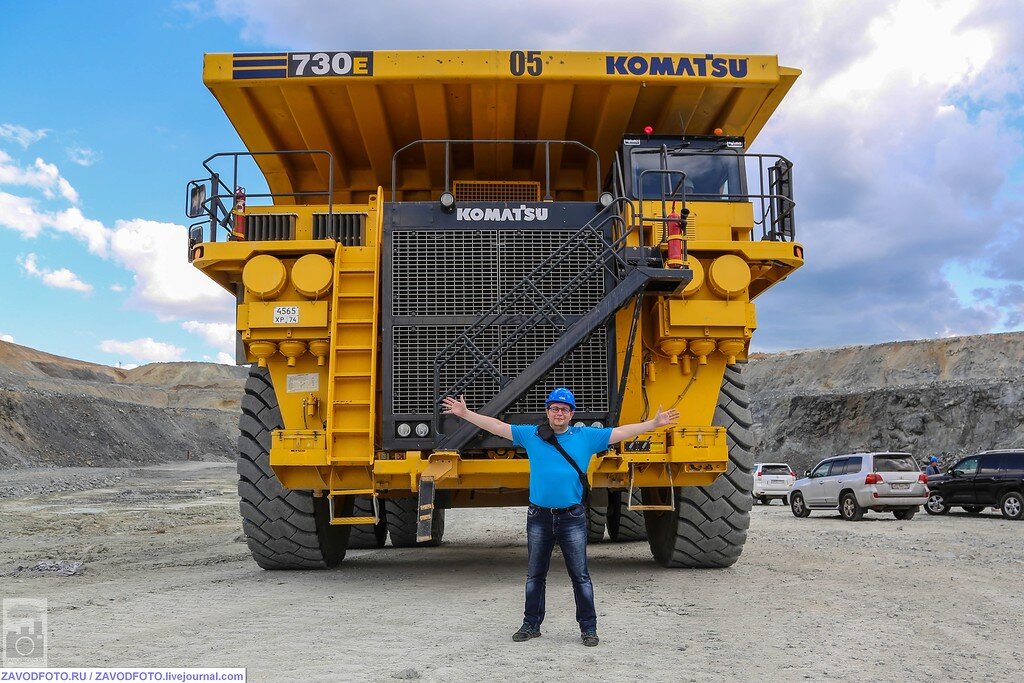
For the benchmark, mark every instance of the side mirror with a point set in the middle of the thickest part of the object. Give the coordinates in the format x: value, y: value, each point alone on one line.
x: 807, y: 473
x: 951, y: 472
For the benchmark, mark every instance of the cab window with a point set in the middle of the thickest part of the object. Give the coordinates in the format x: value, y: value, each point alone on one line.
x: 966, y: 466
x: 708, y: 177
x: 822, y: 470
x: 990, y: 464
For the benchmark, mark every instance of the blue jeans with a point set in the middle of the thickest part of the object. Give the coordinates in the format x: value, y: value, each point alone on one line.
x: 569, y: 530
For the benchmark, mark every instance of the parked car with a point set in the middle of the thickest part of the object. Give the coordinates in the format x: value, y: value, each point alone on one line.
x: 858, y: 482
x: 988, y: 479
x: 772, y: 480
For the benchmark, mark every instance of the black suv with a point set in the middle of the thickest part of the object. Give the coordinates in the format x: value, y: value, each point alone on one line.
x: 989, y: 479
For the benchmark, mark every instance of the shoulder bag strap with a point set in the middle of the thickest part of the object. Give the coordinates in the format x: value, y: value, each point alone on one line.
x: 568, y: 458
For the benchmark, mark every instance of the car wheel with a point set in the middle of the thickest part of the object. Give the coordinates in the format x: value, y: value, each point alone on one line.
x: 796, y: 504
x: 763, y: 500
x: 908, y: 513
x: 1012, y: 505
x: 973, y: 509
x: 785, y: 500
x: 936, y: 505
x: 849, y: 508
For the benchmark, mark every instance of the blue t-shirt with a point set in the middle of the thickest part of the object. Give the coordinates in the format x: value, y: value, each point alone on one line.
x: 553, y: 481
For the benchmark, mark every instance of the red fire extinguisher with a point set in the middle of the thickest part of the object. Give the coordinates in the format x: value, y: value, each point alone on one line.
x: 675, y: 237
x: 239, y: 212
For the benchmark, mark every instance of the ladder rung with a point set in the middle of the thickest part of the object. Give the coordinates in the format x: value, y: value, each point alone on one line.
x: 354, y: 520
x: 342, y: 269
x: 353, y: 403
x: 345, y: 430
x: 355, y: 295
x: 353, y: 348
x: 351, y: 492
x: 351, y: 374
x: 355, y: 321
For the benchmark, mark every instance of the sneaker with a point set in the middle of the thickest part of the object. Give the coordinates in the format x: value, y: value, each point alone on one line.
x: 525, y: 632
x: 590, y: 638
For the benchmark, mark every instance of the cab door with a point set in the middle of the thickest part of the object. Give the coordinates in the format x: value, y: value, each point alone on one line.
x: 815, y: 490
x: 833, y: 483
x: 987, y: 480
x: 959, y: 488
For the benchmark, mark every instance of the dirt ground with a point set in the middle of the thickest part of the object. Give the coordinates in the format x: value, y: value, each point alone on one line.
x: 167, y: 580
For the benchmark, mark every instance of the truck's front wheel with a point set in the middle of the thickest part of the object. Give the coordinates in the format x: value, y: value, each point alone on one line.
x: 709, y: 525
x: 285, y: 529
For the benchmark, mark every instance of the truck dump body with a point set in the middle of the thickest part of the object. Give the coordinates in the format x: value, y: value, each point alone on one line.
x: 363, y: 106
x: 493, y: 224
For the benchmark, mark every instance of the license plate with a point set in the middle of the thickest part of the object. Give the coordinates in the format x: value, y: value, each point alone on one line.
x: 286, y: 315
x: 900, y: 487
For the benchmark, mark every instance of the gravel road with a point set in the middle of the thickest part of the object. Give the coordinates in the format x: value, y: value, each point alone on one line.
x: 167, y: 581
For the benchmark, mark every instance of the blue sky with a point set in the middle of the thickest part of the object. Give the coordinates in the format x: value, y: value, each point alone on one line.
x: 906, y: 131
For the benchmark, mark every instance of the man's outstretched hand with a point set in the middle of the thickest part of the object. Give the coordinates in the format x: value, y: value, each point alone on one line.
x: 455, y: 406
x: 665, y: 419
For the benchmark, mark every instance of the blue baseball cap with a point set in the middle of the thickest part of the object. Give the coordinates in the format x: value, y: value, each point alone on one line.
x: 934, y: 459
x: 561, y: 395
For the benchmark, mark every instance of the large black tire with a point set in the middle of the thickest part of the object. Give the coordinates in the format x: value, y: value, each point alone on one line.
x: 285, y: 529
x: 624, y: 524
x: 709, y: 525
x: 401, y: 521
x: 597, y: 518
x: 368, y: 535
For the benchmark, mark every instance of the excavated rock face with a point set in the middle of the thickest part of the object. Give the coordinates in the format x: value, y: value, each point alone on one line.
x: 943, y: 397
x: 61, y: 412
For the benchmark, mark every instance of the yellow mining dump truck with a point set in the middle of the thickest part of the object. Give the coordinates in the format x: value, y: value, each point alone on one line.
x: 491, y: 224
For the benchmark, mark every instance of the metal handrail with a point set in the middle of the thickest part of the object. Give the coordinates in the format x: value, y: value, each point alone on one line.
x: 777, y: 207
x: 447, y: 159
x: 213, y: 206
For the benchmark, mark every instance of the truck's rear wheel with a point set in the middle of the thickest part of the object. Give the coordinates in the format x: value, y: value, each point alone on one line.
x: 401, y: 521
x: 368, y: 535
x: 285, y: 529
x: 597, y: 518
x: 625, y: 524
x: 709, y: 525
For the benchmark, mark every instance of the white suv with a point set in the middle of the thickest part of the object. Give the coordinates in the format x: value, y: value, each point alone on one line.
x: 772, y: 480
x: 855, y: 483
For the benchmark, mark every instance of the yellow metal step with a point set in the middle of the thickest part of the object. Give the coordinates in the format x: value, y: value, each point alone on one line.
x: 355, y: 321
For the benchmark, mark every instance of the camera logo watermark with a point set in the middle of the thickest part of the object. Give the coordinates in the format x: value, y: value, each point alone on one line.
x: 24, y: 632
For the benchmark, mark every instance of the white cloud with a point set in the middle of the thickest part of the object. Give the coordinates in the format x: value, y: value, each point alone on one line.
x: 218, y: 335
x: 21, y: 135
x: 166, y: 284
x: 82, y: 156
x: 60, y: 279
x: 225, y: 358
x: 7, y: 338
x: 145, y: 350
x: 20, y: 214
x: 41, y: 176
x: 116, y: 288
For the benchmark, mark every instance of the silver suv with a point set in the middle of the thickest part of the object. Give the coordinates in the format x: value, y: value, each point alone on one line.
x: 855, y: 483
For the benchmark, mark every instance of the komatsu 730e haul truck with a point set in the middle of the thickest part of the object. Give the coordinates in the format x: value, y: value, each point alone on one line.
x: 491, y: 224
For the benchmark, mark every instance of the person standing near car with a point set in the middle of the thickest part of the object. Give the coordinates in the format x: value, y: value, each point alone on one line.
x: 933, y: 466
x: 559, y: 456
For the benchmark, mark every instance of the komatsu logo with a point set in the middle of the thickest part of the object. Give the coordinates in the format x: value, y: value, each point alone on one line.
x: 520, y: 213
x: 708, y: 65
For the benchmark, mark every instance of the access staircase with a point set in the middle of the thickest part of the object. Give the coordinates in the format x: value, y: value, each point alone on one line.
x: 632, y: 274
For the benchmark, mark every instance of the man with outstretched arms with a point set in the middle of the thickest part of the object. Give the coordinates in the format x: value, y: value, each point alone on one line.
x: 559, y: 457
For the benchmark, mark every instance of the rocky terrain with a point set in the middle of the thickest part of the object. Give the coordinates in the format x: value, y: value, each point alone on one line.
x: 944, y: 397
x: 56, y: 411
